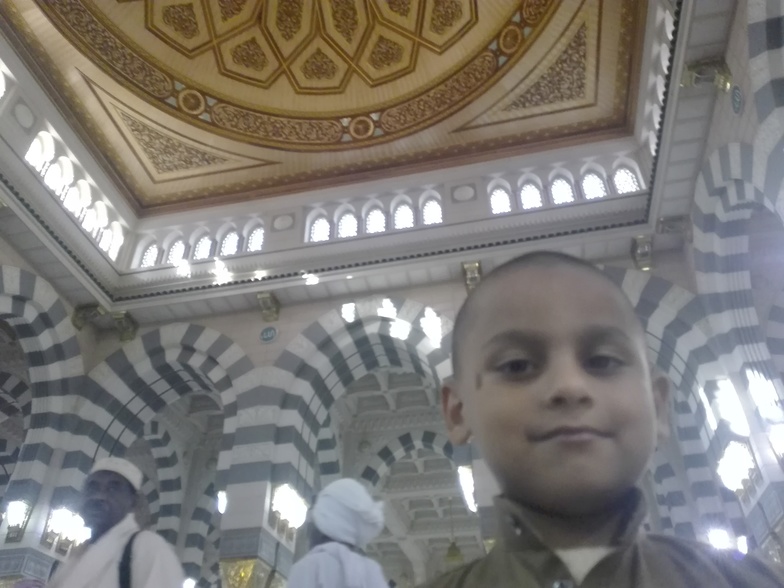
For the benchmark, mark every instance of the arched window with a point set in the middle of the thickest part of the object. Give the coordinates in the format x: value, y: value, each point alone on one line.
x: 78, y: 198
x: 230, y: 244
x: 176, y: 252
x: 626, y: 181
x: 593, y: 186
x: 203, y: 248
x: 348, y: 225
x: 59, y: 176
x: 530, y: 196
x: 320, y: 230
x: 404, y: 216
x: 500, y: 203
x: 117, y: 240
x: 105, y: 243
x: 432, y: 214
x: 150, y: 256
x: 41, y: 151
x: 376, y: 222
x: 562, y: 191
x: 256, y: 239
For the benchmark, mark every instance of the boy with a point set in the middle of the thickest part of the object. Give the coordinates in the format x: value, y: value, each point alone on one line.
x: 552, y: 381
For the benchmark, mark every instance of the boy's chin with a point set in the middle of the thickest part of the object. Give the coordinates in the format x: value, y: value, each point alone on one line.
x: 578, y: 501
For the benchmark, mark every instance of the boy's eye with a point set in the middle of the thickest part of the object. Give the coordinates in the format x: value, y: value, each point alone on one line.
x: 602, y: 363
x: 516, y: 367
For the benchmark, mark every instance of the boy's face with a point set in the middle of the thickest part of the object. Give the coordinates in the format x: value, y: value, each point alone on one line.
x: 554, y: 384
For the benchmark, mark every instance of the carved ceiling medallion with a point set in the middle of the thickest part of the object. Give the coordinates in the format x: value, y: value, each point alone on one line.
x: 301, y: 50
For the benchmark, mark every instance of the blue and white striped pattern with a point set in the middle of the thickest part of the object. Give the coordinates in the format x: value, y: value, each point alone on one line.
x: 322, y: 361
x: 679, y: 336
x: 401, y: 446
x: 766, y: 70
x: 774, y: 331
x: 170, y: 495
x: 133, y: 384
x: 34, y: 311
x: 9, y: 454
x: 327, y: 454
x: 199, y: 525
x: 15, y: 398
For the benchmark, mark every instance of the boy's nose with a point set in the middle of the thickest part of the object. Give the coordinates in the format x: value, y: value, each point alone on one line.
x: 568, y: 385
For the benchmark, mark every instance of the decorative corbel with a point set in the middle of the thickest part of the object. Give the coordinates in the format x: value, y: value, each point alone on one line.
x: 708, y: 71
x: 642, y: 252
x: 86, y: 313
x: 126, y: 325
x: 270, y: 306
x: 472, y: 273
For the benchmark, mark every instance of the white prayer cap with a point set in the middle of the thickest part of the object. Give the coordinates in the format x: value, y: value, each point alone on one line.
x: 345, y: 512
x: 120, y: 466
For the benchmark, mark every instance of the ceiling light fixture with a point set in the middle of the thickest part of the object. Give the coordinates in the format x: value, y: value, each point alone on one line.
x: 289, y: 505
x: 221, y: 273
x: 310, y: 279
x: 465, y: 475
x: 223, y: 501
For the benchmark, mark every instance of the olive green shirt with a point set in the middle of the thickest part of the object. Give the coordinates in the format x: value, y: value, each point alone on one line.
x: 521, y: 560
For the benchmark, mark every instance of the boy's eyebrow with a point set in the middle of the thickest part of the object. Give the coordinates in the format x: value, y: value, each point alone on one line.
x: 516, y: 338
x: 593, y: 334
x: 601, y: 333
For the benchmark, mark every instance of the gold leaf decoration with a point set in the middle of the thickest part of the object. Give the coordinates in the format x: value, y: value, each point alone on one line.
x: 564, y: 81
x: 181, y: 18
x: 319, y: 66
x: 385, y: 53
x: 289, y: 18
x: 250, y: 54
x: 165, y: 153
x: 445, y: 14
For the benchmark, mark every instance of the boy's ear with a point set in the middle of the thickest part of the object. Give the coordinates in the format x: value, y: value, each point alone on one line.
x: 452, y: 407
x: 661, y: 398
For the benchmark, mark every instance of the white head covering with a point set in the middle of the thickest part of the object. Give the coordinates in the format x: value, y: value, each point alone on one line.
x: 120, y: 466
x: 345, y: 512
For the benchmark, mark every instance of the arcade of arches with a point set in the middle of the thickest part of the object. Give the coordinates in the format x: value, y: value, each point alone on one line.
x: 234, y: 237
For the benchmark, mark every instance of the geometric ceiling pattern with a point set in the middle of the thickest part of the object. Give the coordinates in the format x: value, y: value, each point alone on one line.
x: 244, y: 99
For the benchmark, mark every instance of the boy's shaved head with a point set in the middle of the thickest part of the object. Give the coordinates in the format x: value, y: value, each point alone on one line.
x: 533, y: 259
x: 553, y: 383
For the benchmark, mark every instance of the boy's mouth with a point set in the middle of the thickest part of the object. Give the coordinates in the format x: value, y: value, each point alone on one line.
x: 570, y: 433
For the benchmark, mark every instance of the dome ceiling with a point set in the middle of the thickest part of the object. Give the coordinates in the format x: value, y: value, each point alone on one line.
x: 195, y: 103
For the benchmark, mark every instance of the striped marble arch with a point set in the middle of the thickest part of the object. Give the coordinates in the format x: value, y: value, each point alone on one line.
x: 378, y: 465
x: 169, y: 470
x: 315, y: 369
x: 40, y: 320
x: 136, y: 382
x: 15, y: 398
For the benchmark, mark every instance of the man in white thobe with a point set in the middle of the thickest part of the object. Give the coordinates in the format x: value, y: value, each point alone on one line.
x: 343, y: 521
x: 108, y: 500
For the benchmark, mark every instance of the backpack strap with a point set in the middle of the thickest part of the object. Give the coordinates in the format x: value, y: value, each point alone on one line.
x: 125, y: 563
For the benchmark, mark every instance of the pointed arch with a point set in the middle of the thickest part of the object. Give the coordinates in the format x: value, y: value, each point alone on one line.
x: 40, y: 320
x: 374, y: 469
x: 146, y: 375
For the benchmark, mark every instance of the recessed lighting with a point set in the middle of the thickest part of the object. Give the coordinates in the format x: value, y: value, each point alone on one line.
x: 349, y: 277
x: 310, y: 279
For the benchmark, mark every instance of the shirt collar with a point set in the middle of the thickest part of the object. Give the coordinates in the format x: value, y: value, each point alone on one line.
x: 517, y: 532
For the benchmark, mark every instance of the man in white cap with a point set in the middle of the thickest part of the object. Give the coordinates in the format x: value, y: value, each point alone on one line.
x: 118, y: 554
x: 343, y: 521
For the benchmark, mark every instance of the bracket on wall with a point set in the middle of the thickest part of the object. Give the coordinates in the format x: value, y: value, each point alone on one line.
x: 707, y: 71
x: 472, y: 273
x: 86, y: 313
x: 126, y: 325
x: 122, y: 321
x: 642, y: 252
x: 675, y: 225
x: 270, y: 306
